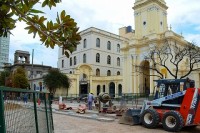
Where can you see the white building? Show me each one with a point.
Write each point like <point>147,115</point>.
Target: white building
<point>4,51</point>
<point>96,64</point>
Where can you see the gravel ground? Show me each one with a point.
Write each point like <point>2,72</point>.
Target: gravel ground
<point>69,124</point>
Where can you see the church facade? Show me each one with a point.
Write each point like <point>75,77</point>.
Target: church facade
<point>151,29</point>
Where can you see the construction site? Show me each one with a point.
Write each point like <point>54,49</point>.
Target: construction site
<point>173,107</point>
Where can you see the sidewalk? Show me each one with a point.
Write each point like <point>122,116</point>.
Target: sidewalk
<point>90,114</point>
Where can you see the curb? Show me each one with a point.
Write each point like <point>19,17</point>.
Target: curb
<point>92,117</point>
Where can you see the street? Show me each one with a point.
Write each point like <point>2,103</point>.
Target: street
<point>70,124</point>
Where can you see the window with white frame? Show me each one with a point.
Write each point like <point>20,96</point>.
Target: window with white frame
<point>74,60</point>
<point>118,48</point>
<point>62,63</point>
<point>70,61</point>
<point>98,57</point>
<point>108,73</point>
<point>108,45</point>
<point>118,61</point>
<point>97,72</point>
<point>108,59</point>
<point>98,42</point>
<point>84,58</point>
<point>84,43</point>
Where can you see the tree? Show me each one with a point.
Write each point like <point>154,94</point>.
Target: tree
<point>3,77</point>
<point>55,79</point>
<point>19,79</point>
<point>63,32</point>
<point>178,60</point>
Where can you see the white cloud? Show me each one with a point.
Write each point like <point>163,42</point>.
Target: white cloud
<point>195,38</point>
<point>108,15</point>
<point>183,11</point>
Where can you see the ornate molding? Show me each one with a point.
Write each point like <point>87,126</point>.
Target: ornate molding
<point>139,5</point>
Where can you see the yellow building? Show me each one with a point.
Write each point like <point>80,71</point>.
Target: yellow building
<point>151,28</point>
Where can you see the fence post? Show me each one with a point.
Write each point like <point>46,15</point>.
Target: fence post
<point>35,111</point>
<point>2,119</point>
<point>45,102</point>
<point>50,108</point>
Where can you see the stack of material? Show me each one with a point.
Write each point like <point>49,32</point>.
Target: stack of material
<point>81,109</point>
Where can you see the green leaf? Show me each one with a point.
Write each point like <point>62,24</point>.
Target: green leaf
<point>62,15</point>
<point>58,19</point>
<point>49,39</point>
<point>44,3</point>
<point>36,11</point>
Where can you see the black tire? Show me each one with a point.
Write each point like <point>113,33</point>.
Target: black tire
<point>172,121</point>
<point>150,118</point>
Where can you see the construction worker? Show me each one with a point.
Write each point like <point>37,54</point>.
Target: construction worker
<point>90,100</point>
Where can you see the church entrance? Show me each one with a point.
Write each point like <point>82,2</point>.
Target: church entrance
<point>145,77</point>
<point>84,85</point>
<point>84,88</point>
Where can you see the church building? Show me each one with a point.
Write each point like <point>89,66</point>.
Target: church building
<point>151,29</point>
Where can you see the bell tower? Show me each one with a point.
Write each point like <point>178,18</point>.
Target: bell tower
<point>150,17</point>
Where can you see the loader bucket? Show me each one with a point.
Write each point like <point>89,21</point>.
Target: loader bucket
<point>131,117</point>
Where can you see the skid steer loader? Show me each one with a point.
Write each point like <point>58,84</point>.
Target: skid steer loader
<point>176,104</point>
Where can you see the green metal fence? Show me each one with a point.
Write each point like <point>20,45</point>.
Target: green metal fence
<point>24,111</point>
<point>129,98</point>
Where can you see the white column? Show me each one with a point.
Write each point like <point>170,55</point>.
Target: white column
<point>77,84</point>
<point>135,75</point>
<point>151,80</point>
<point>131,74</point>
<point>116,88</point>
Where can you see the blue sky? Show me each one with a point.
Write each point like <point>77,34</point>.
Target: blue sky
<point>109,15</point>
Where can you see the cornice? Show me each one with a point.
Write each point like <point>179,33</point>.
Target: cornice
<point>146,41</point>
<point>136,6</point>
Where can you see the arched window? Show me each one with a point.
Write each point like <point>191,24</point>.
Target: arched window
<point>63,63</point>
<point>118,72</point>
<point>98,89</point>
<point>108,73</point>
<point>98,57</point>
<point>84,43</point>
<point>118,61</point>
<point>108,59</point>
<point>118,48</point>
<point>70,72</point>
<point>84,58</point>
<point>97,72</point>
<point>74,60</point>
<point>109,45</point>
<point>70,61</point>
<point>120,90</point>
<point>104,88</point>
<point>98,42</point>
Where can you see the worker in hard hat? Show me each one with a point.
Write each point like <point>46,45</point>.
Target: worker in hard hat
<point>90,100</point>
